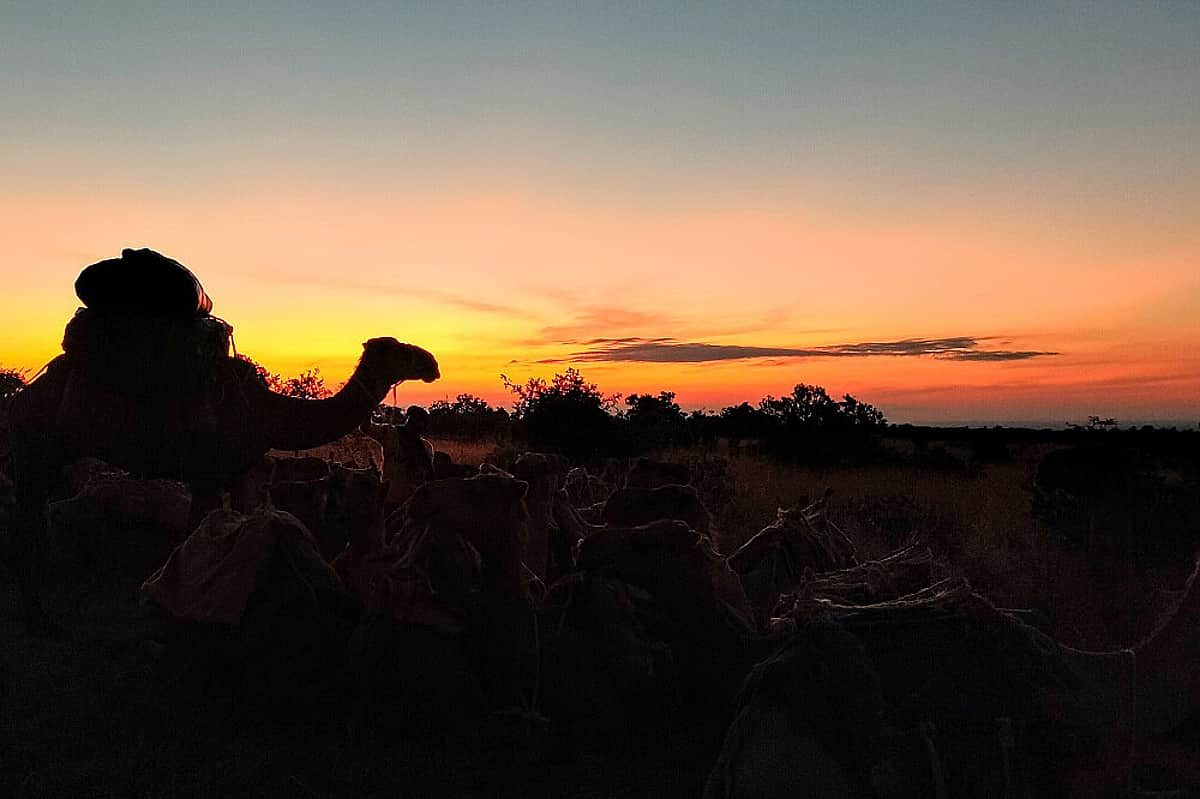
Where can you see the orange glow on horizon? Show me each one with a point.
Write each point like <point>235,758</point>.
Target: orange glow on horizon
<point>501,280</point>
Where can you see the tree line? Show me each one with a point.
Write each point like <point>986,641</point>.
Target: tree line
<point>571,415</point>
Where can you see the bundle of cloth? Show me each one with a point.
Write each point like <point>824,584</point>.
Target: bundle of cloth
<point>255,600</point>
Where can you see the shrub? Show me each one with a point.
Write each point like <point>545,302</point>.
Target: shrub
<point>468,417</point>
<point>11,381</point>
<point>567,415</point>
<point>655,422</point>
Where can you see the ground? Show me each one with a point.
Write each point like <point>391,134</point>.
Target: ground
<point>90,714</point>
<point>87,715</point>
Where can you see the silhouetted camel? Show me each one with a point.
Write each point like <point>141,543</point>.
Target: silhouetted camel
<point>407,455</point>
<point>208,435</point>
<point>629,507</point>
<point>939,693</point>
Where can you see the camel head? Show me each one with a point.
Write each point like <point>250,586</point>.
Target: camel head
<point>391,362</point>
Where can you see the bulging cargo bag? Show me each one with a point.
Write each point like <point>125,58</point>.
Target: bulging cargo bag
<point>142,283</point>
<point>258,608</point>
<point>147,326</point>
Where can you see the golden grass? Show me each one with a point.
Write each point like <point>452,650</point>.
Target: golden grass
<point>982,518</point>
<point>469,452</point>
<point>359,448</point>
<point>979,524</point>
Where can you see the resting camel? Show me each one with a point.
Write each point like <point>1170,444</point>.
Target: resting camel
<point>630,507</point>
<point>209,435</point>
<point>941,694</point>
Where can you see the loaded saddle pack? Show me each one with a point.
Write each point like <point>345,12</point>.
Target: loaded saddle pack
<point>147,326</point>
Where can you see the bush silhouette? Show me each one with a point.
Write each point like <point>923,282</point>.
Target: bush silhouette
<point>269,379</point>
<point>308,384</point>
<point>468,417</point>
<point>745,421</point>
<point>655,421</point>
<point>811,426</point>
<point>11,381</point>
<point>567,415</point>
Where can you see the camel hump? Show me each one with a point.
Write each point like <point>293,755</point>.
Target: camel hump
<point>142,283</point>
<point>147,354</point>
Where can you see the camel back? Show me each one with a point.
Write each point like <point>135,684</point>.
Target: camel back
<point>147,354</point>
<point>942,674</point>
<point>947,653</point>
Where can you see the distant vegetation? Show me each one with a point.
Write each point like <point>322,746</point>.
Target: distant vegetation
<point>570,415</point>
<point>309,384</point>
<point>468,418</point>
<point>573,416</point>
<point>566,414</point>
<point>11,381</point>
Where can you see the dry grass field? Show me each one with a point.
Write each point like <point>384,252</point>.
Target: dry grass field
<point>979,523</point>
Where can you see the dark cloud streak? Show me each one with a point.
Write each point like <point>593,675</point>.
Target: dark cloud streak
<point>667,350</point>
<point>995,355</point>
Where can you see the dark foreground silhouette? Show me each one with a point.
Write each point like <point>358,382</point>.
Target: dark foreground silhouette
<point>147,384</point>
<point>488,637</point>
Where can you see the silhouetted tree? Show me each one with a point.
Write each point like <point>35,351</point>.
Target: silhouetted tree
<point>861,415</point>
<point>655,421</point>
<point>1095,424</point>
<point>703,427</point>
<point>745,421</point>
<point>270,379</point>
<point>11,381</point>
<point>807,406</point>
<point>463,405</point>
<point>812,408</point>
<point>566,414</point>
<point>309,385</point>
<point>812,426</point>
<point>468,417</point>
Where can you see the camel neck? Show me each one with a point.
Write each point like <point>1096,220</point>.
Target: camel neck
<point>375,396</point>
<point>294,424</point>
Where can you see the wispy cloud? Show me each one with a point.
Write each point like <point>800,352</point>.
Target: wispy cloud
<point>412,289</point>
<point>588,321</point>
<point>579,318</point>
<point>669,350</point>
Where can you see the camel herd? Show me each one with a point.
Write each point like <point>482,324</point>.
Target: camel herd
<point>586,600</point>
<point>492,593</point>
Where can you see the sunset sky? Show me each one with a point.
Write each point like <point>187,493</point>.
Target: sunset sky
<point>985,212</point>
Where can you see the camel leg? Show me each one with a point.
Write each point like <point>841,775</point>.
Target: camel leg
<point>21,556</point>
<point>249,488</point>
<point>206,497</point>
<point>31,489</point>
